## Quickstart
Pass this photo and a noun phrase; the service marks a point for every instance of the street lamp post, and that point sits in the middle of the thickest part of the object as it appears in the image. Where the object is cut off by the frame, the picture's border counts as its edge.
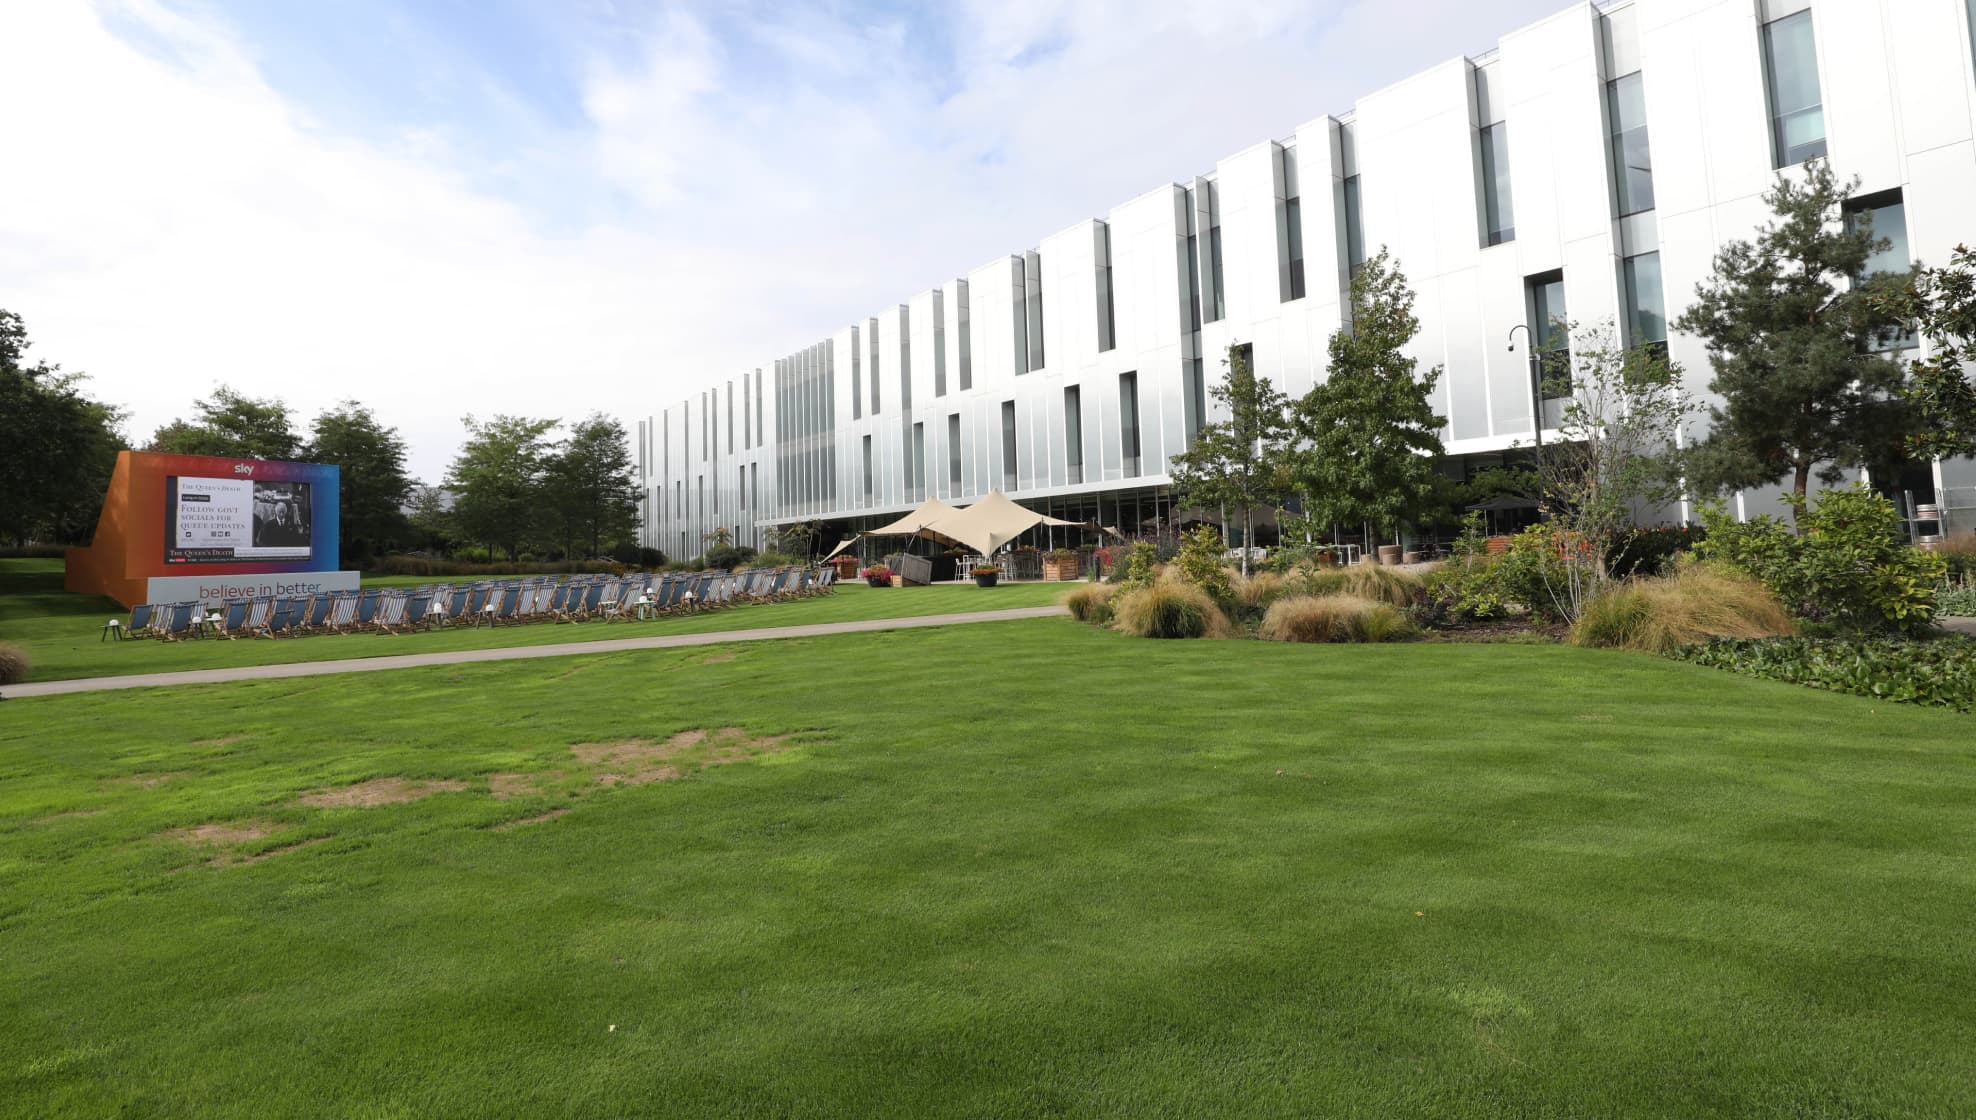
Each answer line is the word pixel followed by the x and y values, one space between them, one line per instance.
pixel 1536 387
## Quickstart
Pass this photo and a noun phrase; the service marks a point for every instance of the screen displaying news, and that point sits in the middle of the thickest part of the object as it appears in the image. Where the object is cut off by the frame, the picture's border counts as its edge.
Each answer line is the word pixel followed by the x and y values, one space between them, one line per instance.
pixel 232 520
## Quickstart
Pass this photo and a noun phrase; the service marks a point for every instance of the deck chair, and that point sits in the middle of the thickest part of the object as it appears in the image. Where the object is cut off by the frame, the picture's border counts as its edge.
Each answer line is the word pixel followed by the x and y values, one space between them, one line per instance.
pixel 826 580
pixel 390 616
pixel 416 606
pixel 288 615
pixel 260 614
pixel 316 615
pixel 367 607
pixel 233 618
pixel 342 614
pixel 178 621
pixel 140 620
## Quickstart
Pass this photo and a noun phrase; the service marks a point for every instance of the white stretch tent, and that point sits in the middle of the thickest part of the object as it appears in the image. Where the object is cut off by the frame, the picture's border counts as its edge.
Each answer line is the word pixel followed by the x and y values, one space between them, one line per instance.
pixel 985 526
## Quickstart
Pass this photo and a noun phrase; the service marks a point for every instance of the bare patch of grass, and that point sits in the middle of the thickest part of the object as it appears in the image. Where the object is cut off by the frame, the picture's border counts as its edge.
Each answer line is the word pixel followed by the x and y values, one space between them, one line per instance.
pixel 634 762
pixel 509 826
pixel 222 741
pixel 378 791
pixel 505 786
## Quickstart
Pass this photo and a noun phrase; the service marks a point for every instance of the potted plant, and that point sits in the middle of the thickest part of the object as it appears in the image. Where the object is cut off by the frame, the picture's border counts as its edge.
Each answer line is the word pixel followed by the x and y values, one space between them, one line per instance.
pixel 986 575
pixel 878 575
pixel 1060 564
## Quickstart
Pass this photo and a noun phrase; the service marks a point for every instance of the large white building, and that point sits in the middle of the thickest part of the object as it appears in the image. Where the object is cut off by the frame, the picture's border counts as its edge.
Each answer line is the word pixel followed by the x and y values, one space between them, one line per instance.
pixel 1590 165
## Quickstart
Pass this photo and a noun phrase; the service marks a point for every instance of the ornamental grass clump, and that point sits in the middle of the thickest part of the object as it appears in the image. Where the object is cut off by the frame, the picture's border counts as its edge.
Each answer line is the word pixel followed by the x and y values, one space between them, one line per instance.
pixel 13 664
pixel 1254 593
pixel 1365 581
pixel 1091 603
pixel 1333 618
pixel 1695 604
pixel 1170 609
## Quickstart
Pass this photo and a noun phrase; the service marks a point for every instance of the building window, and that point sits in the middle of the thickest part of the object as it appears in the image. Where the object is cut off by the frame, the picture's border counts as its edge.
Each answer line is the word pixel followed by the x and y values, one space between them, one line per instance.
pixel 741 486
pixel 939 346
pixel 1107 315
pixel 1073 434
pixel 905 360
pixel 1193 266
pixel 1354 226
pixel 1032 302
pixel 1885 215
pixel 1498 209
pixel 747 410
pixel 867 470
pixel 1550 331
pixel 1646 313
pixel 755 486
pixel 1790 69
pixel 1632 161
pixel 1008 445
pixel 967 337
pixel 759 430
pixel 1128 422
pixel 857 377
pixel 953 453
pixel 1220 301
pixel 871 327
pixel 1197 397
pixel 916 460
pixel 1289 228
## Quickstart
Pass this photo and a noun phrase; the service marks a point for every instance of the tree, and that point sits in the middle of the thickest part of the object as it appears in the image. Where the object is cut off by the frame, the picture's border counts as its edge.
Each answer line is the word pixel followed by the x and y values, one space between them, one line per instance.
pixel 1791 321
pixel 374 487
pixel 1366 439
pixel 432 518
pixel 1238 463
pixel 1619 426
pixel 1942 387
pixel 57 446
pixel 233 426
pixel 497 481
pixel 591 490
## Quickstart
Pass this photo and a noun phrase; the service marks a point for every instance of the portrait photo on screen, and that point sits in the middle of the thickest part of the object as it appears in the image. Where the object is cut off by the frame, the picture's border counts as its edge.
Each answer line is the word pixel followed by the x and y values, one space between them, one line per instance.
pixel 282 518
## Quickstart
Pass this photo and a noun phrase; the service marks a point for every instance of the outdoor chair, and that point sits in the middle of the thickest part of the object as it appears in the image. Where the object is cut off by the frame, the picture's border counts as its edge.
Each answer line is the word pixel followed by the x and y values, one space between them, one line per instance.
pixel 260 613
pixel 390 616
pixel 140 620
pixel 233 618
pixel 289 614
pixel 341 615
pixel 179 621
pixel 416 606
pixel 367 607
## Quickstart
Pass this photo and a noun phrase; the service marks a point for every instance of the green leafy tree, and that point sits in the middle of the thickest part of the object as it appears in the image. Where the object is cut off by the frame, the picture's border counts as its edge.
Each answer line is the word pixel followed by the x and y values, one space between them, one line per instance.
pixel 590 487
pixel 496 480
pixel 1616 457
pixel 1790 320
pixel 374 486
pixel 431 518
pixel 1238 463
pixel 233 426
pixel 1367 438
pixel 1200 563
pixel 1942 386
pixel 57 446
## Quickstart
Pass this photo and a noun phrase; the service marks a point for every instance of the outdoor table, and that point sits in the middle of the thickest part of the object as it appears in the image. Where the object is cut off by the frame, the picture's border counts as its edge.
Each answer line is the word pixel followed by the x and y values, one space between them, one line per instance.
pixel 435 615
pixel 210 624
pixel 644 607
pixel 112 629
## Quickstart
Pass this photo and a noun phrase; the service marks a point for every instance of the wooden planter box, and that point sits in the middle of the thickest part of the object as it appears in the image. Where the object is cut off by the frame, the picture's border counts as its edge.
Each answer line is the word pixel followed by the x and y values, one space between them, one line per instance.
pixel 1059 569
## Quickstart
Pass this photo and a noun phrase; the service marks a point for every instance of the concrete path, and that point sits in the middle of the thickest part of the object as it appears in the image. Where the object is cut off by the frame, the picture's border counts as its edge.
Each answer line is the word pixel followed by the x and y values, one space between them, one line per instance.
pixel 1965 625
pixel 511 653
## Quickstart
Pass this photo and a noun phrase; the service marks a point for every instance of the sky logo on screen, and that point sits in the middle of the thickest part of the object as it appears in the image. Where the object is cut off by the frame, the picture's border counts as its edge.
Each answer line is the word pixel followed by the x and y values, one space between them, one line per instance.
pixel 244 468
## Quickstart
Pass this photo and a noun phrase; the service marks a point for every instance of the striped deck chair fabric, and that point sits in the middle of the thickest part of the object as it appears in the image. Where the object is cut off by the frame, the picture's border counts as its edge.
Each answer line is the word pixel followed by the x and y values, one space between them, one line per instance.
pixel 342 614
pixel 390 616
pixel 260 615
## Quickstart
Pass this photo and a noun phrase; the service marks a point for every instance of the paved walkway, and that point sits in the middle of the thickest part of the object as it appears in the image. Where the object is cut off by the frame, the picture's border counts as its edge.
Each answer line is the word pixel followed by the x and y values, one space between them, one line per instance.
pixel 511 653
pixel 1966 625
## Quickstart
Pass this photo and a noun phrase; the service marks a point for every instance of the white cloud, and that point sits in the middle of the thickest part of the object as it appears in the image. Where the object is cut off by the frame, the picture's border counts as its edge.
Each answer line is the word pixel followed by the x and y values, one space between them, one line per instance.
pixel 170 221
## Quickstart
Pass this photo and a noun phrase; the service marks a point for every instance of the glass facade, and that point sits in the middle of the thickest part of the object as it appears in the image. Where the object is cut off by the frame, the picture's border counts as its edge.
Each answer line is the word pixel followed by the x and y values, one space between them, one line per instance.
pixel 1498 209
pixel 1107 313
pixel 967 336
pixel 1632 161
pixel 1550 332
pixel 1219 304
pixel 1032 289
pixel 1354 226
pixel 1008 446
pixel 1073 435
pixel 1290 233
pixel 1193 266
pixel 953 453
pixel 1646 314
pixel 1790 70
pixel 1128 422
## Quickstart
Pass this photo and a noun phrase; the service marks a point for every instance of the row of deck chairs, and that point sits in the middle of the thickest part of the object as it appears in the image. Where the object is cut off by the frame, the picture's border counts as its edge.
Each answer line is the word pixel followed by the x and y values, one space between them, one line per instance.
pixel 491 603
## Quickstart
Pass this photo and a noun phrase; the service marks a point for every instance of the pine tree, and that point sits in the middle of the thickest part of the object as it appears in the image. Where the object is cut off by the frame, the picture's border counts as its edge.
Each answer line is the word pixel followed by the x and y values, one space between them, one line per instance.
pixel 1790 319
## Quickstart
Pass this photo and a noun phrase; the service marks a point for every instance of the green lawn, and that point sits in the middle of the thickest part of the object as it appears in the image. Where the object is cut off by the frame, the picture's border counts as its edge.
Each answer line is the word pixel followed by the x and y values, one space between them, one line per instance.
pixel 62 633
pixel 1006 870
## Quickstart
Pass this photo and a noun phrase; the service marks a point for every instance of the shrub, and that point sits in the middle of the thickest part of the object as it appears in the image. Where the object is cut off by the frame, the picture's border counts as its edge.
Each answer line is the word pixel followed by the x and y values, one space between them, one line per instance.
pixel 1958 555
pixel 1139 568
pixel 1648 552
pixel 1090 603
pixel 984 570
pixel 1365 581
pixel 730 557
pixel 1200 562
pixel 1956 601
pixel 13 664
pixel 1937 672
pixel 1699 602
pixel 1254 593
pixel 1333 618
pixel 1169 609
pixel 1849 565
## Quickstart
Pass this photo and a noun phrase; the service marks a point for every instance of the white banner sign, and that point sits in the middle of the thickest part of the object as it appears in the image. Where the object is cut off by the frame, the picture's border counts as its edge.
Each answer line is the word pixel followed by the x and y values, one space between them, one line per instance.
pixel 214 589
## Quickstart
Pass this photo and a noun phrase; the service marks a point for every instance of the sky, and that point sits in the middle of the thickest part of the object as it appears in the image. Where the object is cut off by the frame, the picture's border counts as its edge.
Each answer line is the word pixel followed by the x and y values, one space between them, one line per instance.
pixel 452 207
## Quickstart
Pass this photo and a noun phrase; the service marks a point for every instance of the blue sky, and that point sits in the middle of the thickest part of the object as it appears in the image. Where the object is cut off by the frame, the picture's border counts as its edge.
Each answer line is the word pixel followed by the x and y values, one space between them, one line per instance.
pixel 451 206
